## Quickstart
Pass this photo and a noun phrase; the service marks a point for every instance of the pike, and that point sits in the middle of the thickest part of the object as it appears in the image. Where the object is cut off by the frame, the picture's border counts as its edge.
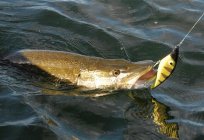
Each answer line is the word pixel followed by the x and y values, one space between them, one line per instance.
pixel 86 71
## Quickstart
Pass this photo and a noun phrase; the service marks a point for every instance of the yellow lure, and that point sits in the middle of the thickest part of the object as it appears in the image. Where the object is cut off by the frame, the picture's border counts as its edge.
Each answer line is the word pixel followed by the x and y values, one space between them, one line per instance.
pixel 166 67
pixel 168 63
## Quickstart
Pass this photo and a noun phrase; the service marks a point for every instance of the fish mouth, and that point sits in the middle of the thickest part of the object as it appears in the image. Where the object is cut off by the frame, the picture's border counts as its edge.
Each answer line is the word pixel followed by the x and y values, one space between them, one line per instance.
pixel 145 79
pixel 148 75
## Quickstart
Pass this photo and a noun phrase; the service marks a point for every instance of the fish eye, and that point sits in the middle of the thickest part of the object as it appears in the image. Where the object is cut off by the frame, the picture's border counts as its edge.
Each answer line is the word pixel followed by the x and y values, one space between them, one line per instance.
pixel 116 72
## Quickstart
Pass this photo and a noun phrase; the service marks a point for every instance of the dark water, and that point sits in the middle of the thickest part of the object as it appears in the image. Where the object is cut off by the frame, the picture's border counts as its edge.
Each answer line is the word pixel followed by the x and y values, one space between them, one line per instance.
pixel 147 29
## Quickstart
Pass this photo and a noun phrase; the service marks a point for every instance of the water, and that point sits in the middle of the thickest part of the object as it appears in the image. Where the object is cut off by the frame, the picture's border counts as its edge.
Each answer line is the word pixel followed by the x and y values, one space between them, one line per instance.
pixel 147 29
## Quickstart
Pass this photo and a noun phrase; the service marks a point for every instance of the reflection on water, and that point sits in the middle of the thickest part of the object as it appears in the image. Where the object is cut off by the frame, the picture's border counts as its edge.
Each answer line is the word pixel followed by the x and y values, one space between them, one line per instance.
pixel 69 116
pixel 160 117
pixel 158 112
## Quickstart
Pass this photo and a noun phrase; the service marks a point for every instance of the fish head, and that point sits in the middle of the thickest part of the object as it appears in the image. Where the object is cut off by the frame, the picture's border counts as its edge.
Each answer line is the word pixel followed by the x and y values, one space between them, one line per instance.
pixel 117 76
pixel 140 77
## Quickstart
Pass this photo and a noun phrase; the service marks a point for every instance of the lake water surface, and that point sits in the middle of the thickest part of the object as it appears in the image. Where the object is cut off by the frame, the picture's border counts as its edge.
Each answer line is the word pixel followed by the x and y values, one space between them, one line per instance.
pixel 32 109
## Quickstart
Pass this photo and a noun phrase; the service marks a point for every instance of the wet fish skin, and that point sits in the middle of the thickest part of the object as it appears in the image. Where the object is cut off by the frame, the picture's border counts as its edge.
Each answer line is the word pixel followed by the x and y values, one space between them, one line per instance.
pixel 86 71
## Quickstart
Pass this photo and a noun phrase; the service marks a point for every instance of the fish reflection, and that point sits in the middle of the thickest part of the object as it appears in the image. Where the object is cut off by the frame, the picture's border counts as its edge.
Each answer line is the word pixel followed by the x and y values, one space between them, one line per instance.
pixel 79 117
pixel 144 109
pixel 158 112
pixel 76 92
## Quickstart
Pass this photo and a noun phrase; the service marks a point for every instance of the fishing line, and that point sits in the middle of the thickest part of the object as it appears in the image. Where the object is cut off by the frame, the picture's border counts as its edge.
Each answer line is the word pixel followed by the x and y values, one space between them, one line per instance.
pixel 124 50
pixel 126 53
pixel 180 43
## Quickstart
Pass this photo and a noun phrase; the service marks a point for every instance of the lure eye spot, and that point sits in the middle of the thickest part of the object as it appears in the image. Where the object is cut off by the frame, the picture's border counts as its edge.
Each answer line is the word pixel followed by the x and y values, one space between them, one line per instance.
pixel 116 72
pixel 171 63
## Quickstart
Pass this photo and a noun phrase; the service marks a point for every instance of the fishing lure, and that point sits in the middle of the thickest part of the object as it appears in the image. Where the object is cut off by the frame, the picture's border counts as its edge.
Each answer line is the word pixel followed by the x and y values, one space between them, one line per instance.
pixel 167 65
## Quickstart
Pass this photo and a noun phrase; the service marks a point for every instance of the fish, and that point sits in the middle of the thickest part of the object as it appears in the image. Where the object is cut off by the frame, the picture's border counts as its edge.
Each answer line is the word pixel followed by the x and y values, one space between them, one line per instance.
pixel 166 67
pixel 87 71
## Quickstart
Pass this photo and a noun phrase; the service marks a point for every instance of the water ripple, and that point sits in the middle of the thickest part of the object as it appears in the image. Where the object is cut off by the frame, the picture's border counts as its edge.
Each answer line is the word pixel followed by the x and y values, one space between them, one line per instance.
pixel 144 29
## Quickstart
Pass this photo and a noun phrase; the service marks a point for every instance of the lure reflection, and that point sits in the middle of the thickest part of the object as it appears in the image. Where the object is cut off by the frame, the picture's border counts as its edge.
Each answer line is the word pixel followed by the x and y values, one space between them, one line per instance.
pixel 158 112
pixel 166 67
pixel 160 116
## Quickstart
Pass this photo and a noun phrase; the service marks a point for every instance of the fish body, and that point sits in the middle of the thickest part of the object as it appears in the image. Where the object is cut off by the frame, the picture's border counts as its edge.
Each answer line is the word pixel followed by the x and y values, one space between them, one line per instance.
pixel 166 67
pixel 86 71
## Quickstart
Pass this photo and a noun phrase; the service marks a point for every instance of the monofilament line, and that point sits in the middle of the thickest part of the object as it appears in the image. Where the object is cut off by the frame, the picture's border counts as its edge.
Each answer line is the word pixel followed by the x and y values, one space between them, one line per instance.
pixel 190 30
